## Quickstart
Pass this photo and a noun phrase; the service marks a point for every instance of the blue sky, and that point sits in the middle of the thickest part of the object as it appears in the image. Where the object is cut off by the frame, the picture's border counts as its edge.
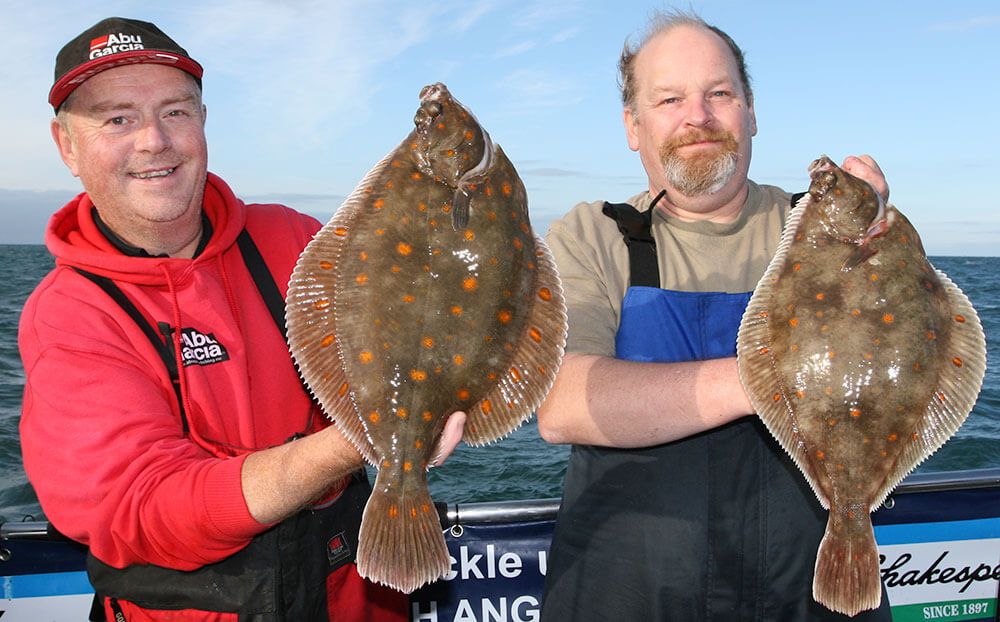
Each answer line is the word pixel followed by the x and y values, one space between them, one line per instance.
pixel 304 97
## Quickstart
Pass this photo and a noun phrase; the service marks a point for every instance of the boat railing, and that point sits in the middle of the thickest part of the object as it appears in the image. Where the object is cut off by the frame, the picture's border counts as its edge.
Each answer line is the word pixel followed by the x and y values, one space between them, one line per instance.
pixel 494 512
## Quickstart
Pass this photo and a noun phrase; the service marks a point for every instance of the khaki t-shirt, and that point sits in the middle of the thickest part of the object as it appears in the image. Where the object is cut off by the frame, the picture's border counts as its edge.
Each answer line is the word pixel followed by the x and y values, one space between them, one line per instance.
pixel 693 256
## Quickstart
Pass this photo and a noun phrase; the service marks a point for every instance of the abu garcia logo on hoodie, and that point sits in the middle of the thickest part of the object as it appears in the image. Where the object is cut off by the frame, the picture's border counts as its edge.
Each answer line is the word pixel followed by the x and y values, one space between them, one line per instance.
pixel 197 348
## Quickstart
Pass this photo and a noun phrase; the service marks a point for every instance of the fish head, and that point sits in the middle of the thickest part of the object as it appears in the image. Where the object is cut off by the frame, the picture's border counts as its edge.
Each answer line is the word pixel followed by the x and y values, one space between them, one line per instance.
pixel 450 144
pixel 847 206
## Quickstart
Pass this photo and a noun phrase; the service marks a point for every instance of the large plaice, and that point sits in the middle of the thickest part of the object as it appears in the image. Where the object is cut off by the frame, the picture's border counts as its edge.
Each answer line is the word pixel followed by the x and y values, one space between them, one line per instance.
pixel 862 360
pixel 426 293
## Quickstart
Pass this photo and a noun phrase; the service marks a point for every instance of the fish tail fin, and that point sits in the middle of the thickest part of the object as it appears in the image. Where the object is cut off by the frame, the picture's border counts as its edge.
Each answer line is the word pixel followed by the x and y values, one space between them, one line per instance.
pixel 401 543
pixel 847 578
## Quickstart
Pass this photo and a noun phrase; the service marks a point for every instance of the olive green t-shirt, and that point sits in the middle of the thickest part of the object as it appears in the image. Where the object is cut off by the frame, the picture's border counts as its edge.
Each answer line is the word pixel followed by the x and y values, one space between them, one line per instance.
pixel 697 256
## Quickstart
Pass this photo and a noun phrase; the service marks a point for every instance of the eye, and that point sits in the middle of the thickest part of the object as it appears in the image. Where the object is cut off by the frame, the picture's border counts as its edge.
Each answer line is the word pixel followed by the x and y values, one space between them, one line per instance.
pixel 117 121
pixel 721 94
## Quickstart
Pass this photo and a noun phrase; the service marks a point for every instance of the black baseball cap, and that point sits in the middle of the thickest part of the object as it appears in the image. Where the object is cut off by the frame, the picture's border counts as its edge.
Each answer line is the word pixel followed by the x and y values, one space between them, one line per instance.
pixel 113 42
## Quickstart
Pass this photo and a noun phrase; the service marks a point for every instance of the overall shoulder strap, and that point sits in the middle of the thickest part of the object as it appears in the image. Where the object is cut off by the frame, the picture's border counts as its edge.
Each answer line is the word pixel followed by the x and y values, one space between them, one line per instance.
pixel 263 279
pixel 163 346
pixel 636 229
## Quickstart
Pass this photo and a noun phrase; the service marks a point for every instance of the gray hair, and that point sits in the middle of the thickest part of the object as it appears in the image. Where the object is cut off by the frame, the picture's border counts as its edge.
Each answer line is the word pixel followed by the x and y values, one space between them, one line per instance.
pixel 661 22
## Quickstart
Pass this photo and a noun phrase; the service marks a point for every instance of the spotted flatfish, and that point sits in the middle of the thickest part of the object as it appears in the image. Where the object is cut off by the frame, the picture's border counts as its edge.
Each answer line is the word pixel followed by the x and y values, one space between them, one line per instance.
pixel 862 360
pixel 426 293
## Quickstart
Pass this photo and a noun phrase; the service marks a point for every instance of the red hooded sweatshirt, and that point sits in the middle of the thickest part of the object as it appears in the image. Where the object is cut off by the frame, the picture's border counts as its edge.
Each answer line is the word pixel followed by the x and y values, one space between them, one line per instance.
pixel 101 432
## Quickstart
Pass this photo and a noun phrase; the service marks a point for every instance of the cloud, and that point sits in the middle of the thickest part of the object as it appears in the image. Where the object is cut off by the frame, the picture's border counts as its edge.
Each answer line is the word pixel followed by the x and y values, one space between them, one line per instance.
pixel 965 25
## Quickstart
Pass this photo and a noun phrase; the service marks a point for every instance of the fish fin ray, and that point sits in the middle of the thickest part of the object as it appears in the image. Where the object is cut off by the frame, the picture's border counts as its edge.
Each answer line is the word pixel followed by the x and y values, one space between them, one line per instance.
pixel 537 358
pixel 846 578
pixel 310 314
pixel 956 392
pixel 757 367
pixel 401 543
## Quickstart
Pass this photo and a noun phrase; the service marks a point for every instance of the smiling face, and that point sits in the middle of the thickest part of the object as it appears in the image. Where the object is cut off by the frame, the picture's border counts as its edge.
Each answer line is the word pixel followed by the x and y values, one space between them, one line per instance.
pixel 691 121
pixel 135 136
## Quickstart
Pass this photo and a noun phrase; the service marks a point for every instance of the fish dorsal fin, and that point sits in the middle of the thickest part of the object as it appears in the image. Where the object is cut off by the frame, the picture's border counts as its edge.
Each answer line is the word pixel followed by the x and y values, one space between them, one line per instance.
pixel 533 366
pixel 957 388
pixel 311 318
pixel 757 373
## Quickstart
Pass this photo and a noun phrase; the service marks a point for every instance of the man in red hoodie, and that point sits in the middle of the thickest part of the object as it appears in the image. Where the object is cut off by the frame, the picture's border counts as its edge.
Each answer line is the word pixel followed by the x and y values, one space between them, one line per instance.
pixel 164 424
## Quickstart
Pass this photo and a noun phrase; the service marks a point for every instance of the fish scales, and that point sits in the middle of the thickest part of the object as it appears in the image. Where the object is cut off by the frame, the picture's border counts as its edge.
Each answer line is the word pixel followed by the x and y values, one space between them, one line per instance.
pixel 862 360
pixel 426 293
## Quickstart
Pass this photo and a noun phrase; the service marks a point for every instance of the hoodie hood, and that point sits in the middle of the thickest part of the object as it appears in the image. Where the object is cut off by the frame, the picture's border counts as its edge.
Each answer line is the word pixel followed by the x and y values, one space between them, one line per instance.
pixel 73 238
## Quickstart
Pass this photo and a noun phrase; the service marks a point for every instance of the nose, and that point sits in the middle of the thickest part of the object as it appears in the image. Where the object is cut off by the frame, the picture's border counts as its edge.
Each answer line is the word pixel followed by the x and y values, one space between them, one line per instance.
pixel 152 137
pixel 698 112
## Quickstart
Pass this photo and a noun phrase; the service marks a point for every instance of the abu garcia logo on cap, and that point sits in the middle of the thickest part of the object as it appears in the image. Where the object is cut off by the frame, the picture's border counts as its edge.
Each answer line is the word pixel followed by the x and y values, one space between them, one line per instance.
pixel 114 43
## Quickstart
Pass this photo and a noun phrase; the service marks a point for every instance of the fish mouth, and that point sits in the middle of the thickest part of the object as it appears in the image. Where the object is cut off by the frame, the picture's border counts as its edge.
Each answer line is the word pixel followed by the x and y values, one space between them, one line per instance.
pixel 153 174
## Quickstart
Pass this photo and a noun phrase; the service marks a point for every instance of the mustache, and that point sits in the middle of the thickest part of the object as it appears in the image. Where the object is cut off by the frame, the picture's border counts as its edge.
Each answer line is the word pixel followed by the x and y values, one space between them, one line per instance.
pixel 699 136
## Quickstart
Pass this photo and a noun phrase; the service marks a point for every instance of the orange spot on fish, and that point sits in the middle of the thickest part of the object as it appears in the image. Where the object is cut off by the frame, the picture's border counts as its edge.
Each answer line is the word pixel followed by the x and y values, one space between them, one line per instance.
pixel 820 296
pixel 425 508
pixel 797 267
pixel 326 341
pixel 505 316
pixel 793 322
pixel 450 153
pixel 486 407
pixel 776 397
pixel 469 135
pixel 395 269
pixel 456 310
pixel 491 215
pixel 407 466
pixel 415 175
pixel 408 298
pixel 960 319
pixel 491 376
pixel 470 283
pixel 388 185
pixel 427 342
pixel 379 203
pixel 427 416
pixel 762 314
pixel 888 318
pixel 488 191
pixel 363 256
pixel 393 511
pixel 800 394
pixel 380 232
pixel 892 438
pixel 515 374
pixel 518 244
pixel 855 413
pixel 322 303
pixel 764 350
pixel 361 279
pixel 418 375
pixel 535 334
pixel 418 443
pixel 386 464
pixel 831 422
pixel 340 231
pixel 462 394
pixel 506 189
pixel 855 312
pixel 820 454
pixel 957 362
pixel 404 249
pixel 931 335
pixel 470 235
pixel 545 294
pixel 366 357
pixel 402 413
pixel 395 164
pixel 373 417
pixel 915 436
pixel 326 265
pixel 819 314
pixel 342 391
pixel 458 359
pixel 873 277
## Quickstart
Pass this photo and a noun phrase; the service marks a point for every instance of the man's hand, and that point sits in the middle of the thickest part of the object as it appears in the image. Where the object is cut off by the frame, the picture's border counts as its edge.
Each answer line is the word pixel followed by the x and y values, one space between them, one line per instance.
pixel 864 167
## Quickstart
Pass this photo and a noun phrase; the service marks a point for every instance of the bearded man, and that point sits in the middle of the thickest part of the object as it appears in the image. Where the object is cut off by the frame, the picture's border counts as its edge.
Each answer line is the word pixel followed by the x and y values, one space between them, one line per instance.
pixel 678 504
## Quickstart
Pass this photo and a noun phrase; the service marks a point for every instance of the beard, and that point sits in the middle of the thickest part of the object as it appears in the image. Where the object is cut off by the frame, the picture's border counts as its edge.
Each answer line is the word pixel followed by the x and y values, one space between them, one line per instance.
pixel 705 172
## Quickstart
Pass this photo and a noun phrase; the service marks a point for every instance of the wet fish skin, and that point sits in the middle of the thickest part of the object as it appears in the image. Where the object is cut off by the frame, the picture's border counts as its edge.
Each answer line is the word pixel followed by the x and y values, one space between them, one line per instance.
pixel 427 293
pixel 862 360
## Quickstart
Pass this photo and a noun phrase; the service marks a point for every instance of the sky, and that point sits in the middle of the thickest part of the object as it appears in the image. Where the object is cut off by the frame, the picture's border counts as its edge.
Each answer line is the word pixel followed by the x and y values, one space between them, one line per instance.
pixel 305 97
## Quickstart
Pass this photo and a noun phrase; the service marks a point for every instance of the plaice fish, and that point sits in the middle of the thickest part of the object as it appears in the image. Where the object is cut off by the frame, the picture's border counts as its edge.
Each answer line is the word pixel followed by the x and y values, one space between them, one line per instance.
pixel 862 360
pixel 425 294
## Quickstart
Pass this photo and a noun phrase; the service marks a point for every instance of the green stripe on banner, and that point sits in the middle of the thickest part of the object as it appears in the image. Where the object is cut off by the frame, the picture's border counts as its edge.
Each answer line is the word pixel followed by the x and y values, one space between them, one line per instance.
pixel 947 611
